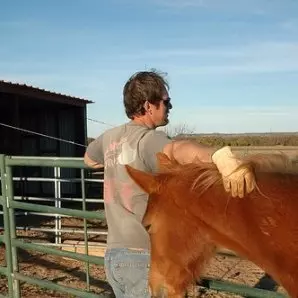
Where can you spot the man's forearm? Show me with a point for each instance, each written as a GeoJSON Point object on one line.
{"type": "Point", "coordinates": [187, 151]}
{"type": "Point", "coordinates": [237, 180]}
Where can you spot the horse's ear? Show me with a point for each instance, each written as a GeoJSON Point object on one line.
{"type": "Point", "coordinates": [164, 162]}
{"type": "Point", "coordinates": [148, 182]}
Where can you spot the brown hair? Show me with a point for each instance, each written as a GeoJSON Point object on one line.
{"type": "Point", "coordinates": [141, 87]}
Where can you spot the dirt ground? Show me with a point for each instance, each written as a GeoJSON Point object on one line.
{"type": "Point", "coordinates": [72, 273]}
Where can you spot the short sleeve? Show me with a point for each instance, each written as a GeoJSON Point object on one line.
{"type": "Point", "coordinates": [152, 143]}
{"type": "Point", "coordinates": [95, 150]}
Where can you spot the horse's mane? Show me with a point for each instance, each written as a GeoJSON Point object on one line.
{"type": "Point", "coordinates": [204, 175]}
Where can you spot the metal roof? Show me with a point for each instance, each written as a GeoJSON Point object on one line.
{"type": "Point", "coordinates": [35, 92]}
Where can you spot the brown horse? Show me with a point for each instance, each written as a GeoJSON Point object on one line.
{"type": "Point", "coordinates": [189, 214]}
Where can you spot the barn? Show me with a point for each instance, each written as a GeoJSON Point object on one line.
{"type": "Point", "coordinates": [44, 112]}
{"type": "Point", "coordinates": [37, 122]}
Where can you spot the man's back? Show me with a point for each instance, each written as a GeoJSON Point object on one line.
{"type": "Point", "coordinates": [125, 202]}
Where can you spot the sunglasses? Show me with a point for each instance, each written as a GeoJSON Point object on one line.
{"type": "Point", "coordinates": [166, 102]}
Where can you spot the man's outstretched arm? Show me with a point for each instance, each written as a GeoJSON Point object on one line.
{"type": "Point", "coordinates": [237, 181]}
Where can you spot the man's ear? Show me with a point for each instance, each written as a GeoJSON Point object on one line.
{"type": "Point", "coordinates": [146, 106]}
{"type": "Point", "coordinates": [148, 182]}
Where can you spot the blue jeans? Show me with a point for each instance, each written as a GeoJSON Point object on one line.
{"type": "Point", "coordinates": [127, 272]}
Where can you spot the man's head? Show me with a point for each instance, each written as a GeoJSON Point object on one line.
{"type": "Point", "coordinates": [146, 97]}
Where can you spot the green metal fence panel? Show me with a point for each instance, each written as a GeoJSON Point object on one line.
{"type": "Point", "coordinates": [11, 241]}
{"type": "Point", "coordinates": [9, 205]}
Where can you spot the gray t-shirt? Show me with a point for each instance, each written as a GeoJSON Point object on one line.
{"type": "Point", "coordinates": [125, 203]}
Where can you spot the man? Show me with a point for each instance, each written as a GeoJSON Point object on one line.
{"type": "Point", "coordinates": [147, 104]}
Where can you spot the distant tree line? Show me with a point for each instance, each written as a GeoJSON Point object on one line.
{"type": "Point", "coordinates": [245, 140]}
{"type": "Point", "coordinates": [240, 140]}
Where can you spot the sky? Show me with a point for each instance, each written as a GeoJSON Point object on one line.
{"type": "Point", "coordinates": [232, 65]}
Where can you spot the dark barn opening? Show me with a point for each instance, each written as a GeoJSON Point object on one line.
{"type": "Point", "coordinates": [48, 113]}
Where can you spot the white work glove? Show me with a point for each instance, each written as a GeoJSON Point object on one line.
{"type": "Point", "coordinates": [236, 182]}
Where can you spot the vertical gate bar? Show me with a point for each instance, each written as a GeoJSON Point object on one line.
{"type": "Point", "coordinates": [57, 205]}
{"type": "Point", "coordinates": [55, 194]}
{"type": "Point", "coordinates": [8, 253]}
{"type": "Point", "coordinates": [85, 228]}
{"type": "Point", "coordinates": [14, 251]}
